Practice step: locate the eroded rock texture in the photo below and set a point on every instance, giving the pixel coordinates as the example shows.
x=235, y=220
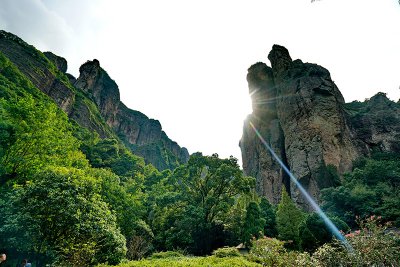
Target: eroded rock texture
x=301, y=114
x=144, y=136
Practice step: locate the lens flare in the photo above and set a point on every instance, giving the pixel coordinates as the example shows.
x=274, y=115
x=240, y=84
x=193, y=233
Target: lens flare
x=334, y=230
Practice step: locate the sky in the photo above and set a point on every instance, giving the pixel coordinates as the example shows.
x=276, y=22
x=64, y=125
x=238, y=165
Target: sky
x=184, y=62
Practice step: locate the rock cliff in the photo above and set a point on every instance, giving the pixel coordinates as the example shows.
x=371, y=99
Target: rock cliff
x=302, y=115
x=143, y=135
x=93, y=101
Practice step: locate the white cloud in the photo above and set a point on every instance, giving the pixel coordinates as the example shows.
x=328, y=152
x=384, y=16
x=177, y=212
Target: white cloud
x=33, y=22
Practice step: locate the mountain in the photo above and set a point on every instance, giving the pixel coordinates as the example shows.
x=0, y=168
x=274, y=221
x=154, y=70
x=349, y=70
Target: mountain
x=303, y=117
x=93, y=101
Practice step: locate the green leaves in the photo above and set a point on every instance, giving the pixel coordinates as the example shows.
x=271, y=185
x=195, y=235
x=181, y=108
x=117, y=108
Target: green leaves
x=62, y=211
x=371, y=189
x=253, y=223
x=288, y=219
x=38, y=134
x=191, y=205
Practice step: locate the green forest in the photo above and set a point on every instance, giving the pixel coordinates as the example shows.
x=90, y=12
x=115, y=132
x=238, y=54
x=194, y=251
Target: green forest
x=71, y=198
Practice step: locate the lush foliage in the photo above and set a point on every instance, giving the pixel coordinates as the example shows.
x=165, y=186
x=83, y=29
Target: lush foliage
x=71, y=198
x=54, y=205
x=226, y=252
x=313, y=231
x=62, y=213
x=288, y=219
x=372, y=245
x=268, y=214
x=192, y=261
x=271, y=252
x=371, y=189
x=190, y=206
x=253, y=223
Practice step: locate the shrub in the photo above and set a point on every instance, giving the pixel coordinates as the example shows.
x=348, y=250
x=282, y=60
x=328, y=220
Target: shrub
x=226, y=252
x=267, y=251
x=166, y=254
x=373, y=245
x=271, y=252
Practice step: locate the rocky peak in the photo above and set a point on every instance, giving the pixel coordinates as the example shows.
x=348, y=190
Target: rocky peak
x=299, y=111
x=100, y=87
x=93, y=101
x=280, y=59
x=142, y=135
x=95, y=80
x=379, y=101
x=38, y=69
x=59, y=62
x=261, y=87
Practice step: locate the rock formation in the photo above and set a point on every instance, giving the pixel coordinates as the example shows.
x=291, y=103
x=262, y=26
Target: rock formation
x=35, y=66
x=93, y=101
x=301, y=113
x=143, y=135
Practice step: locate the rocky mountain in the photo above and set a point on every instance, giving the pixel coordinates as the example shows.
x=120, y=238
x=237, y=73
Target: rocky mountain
x=143, y=136
x=301, y=114
x=93, y=101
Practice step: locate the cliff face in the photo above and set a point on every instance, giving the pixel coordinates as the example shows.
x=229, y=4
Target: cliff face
x=301, y=113
x=37, y=68
x=93, y=101
x=143, y=135
x=375, y=124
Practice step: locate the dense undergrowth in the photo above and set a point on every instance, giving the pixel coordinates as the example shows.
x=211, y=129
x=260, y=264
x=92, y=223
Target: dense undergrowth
x=373, y=245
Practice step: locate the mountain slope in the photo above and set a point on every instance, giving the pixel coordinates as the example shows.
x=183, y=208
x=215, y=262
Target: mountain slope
x=93, y=102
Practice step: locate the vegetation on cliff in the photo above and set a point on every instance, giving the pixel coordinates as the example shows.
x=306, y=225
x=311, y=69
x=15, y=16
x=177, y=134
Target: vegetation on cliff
x=71, y=197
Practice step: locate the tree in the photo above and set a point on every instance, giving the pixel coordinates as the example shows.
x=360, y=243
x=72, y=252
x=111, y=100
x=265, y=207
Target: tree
x=37, y=134
x=193, y=202
x=253, y=224
x=314, y=232
x=268, y=214
x=288, y=219
x=62, y=215
x=372, y=188
x=128, y=206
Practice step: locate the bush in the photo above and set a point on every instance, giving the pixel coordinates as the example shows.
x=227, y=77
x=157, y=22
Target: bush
x=271, y=252
x=190, y=261
x=166, y=254
x=226, y=252
x=267, y=251
x=373, y=245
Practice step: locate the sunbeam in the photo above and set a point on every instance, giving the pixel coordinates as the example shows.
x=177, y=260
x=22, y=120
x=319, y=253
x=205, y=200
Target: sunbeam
x=334, y=230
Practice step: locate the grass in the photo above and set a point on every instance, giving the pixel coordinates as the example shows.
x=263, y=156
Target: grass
x=190, y=261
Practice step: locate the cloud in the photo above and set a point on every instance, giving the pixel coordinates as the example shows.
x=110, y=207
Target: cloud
x=36, y=24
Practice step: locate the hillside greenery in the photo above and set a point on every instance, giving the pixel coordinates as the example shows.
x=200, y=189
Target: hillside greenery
x=71, y=198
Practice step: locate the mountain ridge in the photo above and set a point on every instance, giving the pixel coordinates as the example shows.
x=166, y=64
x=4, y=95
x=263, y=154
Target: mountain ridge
x=92, y=100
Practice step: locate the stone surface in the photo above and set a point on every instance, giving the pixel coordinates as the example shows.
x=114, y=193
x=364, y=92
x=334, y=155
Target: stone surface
x=59, y=62
x=37, y=68
x=301, y=114
x=143, y=135
x=375, y=124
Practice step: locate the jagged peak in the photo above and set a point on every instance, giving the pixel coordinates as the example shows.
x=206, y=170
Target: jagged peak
x=89, y=65
x=380, y=96
x=60, y=62
x=257, y=66
x=280, y=58
x=259, y=76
